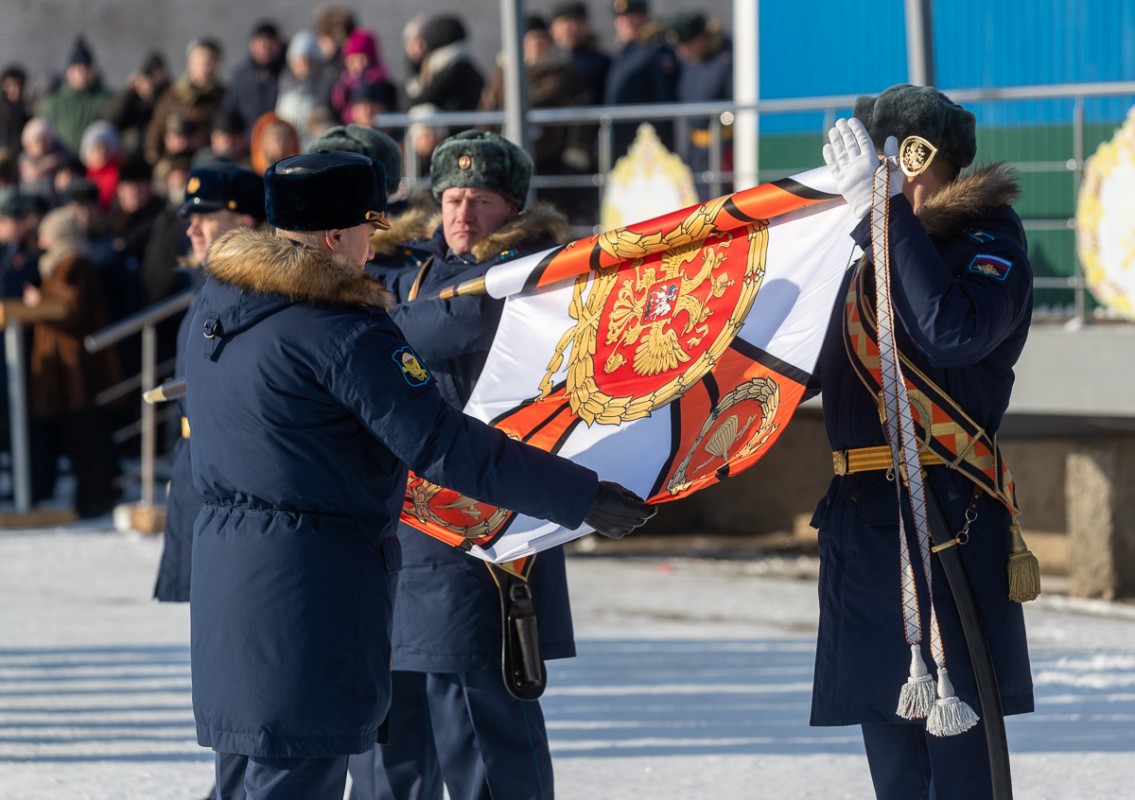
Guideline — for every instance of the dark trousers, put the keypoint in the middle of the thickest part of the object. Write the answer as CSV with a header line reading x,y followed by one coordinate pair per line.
x,y
84,437
253,778
463,728
907,763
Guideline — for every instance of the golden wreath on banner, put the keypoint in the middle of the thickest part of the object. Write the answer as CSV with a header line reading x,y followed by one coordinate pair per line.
x,y
1105,221
648,331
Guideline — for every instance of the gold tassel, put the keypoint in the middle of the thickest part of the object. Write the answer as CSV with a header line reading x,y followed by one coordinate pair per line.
x,y
1024,569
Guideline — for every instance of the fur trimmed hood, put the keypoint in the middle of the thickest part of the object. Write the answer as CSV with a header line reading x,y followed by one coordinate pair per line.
x,y
972,194
264,263
540,222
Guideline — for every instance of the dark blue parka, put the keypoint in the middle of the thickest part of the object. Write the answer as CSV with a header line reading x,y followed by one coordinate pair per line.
x,y
964,325
447,609
643,73
307,406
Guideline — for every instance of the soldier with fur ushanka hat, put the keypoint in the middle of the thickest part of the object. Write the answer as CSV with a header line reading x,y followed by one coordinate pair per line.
x,y
961,292
453,673
308,407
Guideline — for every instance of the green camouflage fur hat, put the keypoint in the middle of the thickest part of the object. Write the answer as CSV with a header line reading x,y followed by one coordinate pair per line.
x,y
482,160
905,110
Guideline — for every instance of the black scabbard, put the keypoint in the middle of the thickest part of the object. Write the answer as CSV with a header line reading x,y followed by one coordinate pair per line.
x,y
974,631
522,665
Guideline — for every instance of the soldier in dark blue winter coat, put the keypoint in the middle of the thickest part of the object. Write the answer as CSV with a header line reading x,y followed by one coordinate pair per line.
x,y
962,297
218,198
449,677
643,72
705,74
307,407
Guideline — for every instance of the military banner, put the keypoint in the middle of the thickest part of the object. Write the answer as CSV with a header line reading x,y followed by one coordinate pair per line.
x,y
666,355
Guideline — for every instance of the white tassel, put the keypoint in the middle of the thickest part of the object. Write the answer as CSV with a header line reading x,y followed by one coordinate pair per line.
x,y
917,695
950,715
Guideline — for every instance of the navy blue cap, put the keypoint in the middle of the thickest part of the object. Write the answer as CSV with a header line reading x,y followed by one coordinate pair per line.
x,y
325,190
223,186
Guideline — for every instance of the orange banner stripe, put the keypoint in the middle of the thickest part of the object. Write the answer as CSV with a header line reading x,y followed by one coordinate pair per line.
x,y
758,203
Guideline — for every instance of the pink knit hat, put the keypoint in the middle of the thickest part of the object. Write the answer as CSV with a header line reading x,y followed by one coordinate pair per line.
x,y
364,42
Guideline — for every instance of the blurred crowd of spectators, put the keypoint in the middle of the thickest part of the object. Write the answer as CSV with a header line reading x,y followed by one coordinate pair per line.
x,y
91,176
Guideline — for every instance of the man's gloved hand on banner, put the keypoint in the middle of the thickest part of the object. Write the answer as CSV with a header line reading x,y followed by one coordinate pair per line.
x,y
852,160
617,511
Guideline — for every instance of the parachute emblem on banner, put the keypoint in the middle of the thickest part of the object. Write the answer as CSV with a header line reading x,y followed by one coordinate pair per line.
x,y
717,442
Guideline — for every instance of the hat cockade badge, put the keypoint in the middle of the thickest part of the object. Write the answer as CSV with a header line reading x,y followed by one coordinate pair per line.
x,y
915,155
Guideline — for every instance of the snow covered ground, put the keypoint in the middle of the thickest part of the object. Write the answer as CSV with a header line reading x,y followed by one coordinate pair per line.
x,y
692,682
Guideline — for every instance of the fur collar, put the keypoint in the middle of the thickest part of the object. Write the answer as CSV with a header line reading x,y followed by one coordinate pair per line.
x,y
417,222
541,222
972,194
262,262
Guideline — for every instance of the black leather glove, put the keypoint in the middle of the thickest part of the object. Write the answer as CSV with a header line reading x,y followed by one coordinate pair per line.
x,y
617,511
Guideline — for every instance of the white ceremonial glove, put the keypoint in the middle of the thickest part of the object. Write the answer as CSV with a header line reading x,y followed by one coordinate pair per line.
x,y
852,160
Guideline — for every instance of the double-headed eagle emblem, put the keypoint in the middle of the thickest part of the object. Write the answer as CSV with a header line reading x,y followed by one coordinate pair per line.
x,y
646,332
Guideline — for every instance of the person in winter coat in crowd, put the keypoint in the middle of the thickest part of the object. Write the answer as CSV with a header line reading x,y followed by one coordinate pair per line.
x,y
18,251
14,112
302,463
132,110
196,96
332,25
272,139
449,79
301,85
80,101
101,153
40,159
644,70
64,377
705,75
459,721
362,63
561,149
254,86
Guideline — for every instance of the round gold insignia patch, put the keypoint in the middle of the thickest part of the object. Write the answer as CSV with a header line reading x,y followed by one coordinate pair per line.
x,y
465,162
193,185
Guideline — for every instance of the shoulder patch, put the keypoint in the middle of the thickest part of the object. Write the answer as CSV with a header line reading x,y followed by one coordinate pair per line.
x,y
979,236
990,267
410,366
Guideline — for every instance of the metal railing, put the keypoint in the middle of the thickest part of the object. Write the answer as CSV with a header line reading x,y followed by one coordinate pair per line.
x,y
719,114
145,322
14,318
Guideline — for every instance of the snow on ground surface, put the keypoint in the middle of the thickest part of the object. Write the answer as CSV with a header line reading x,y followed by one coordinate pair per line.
x,y
692,681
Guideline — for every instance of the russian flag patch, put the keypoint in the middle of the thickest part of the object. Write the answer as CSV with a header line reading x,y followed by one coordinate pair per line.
x,y
990,267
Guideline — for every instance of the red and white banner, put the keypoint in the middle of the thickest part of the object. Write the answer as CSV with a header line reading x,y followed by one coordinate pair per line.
x,y
666,355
